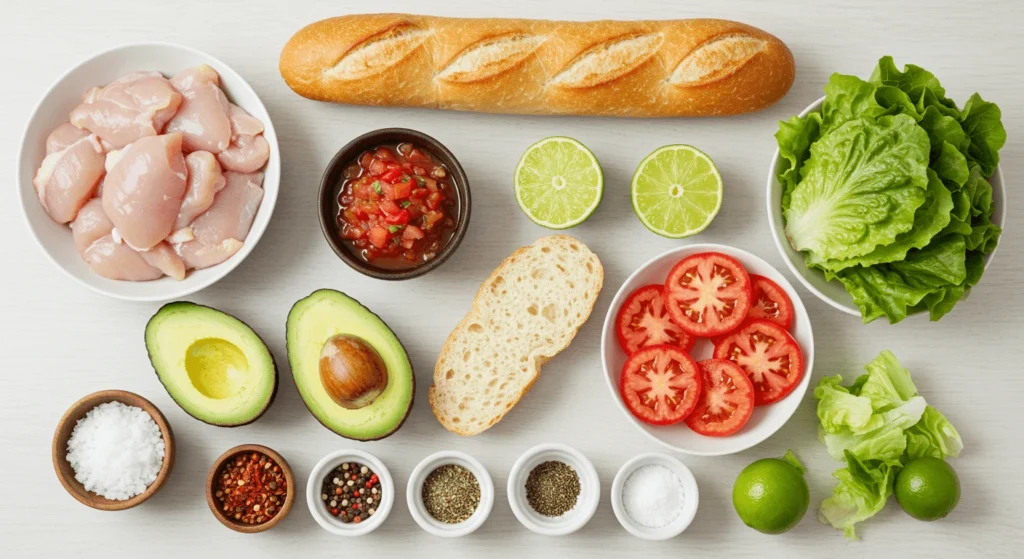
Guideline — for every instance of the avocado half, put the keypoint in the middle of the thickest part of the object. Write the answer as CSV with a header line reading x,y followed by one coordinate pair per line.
x,y
213,365
317,318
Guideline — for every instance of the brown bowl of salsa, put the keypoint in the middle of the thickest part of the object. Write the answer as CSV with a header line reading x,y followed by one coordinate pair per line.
x,y
394,203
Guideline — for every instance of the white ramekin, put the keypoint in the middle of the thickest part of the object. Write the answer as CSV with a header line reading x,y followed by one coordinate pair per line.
x,y
319,511
586,505
414,494
690,500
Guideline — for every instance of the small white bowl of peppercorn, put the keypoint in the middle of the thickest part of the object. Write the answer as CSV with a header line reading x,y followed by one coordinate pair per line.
x,y
450,494
350,492
553,489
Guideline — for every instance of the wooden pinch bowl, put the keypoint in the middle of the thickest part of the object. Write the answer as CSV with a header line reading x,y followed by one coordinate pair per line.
x,y
77,411
289,497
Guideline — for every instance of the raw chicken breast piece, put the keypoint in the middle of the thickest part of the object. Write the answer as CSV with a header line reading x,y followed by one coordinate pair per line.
x,y
63,136
233,210
163,258
129,108
144,188
243,123
117,261
68,178
203,117
247,154
196,255
90,225
182,235
205,179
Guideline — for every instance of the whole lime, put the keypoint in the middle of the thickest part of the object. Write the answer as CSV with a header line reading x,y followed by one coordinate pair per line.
x,y
770,495
927,488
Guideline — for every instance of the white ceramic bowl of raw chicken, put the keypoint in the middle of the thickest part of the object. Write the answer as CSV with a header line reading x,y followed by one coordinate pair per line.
x,y
53,109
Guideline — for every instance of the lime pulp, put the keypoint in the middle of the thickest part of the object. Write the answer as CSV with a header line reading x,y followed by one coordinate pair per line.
x,y
676,191
558,183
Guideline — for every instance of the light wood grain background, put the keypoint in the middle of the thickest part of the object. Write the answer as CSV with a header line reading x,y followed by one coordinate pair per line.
x,y
61,341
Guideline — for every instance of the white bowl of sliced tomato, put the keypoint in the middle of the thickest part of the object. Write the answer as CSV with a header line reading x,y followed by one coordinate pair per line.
x,y
707,349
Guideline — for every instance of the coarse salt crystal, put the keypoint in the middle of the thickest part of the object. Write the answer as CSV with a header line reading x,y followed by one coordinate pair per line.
x,y
653,496
116,451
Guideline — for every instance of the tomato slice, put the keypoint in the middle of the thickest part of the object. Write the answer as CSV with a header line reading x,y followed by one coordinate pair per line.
x,y
660,384
728,400
768,355
770,302
643,321
708,294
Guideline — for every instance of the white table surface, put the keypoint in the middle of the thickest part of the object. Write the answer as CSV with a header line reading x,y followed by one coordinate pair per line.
x,y
60,341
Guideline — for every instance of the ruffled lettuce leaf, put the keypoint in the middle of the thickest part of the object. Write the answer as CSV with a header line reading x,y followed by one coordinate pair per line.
x,y
982,121
885,440
795,137
861,186
847,98
838,409
897,289
929,220
863,489
933,436
888,384
912,80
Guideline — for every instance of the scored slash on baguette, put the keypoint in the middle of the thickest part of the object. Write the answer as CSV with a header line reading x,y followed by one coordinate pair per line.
x,y
695,67
525,313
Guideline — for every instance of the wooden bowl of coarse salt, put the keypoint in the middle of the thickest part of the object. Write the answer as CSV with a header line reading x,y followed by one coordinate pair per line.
x,y
114,426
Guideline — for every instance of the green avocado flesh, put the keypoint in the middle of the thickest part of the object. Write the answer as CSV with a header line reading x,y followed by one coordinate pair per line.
x,y
212,364
327,313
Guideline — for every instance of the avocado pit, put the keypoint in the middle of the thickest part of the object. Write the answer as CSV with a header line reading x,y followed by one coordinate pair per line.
x,y
351,371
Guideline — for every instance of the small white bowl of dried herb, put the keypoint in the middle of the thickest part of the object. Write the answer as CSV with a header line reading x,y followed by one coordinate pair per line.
x,y
350,492
450,494
553,489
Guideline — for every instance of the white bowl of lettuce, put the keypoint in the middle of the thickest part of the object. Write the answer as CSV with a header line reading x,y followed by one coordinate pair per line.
x,y
884,198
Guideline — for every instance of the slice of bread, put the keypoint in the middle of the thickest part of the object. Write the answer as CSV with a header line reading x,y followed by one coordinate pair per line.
x,y
525,313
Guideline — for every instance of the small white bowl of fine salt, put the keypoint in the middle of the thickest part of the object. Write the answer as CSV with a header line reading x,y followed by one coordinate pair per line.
x,y
654,496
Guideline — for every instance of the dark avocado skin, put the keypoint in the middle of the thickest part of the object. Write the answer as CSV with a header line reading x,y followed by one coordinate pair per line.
x,y
412,373
273,361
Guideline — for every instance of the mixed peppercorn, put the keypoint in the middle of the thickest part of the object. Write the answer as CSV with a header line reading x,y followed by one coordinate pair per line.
x,y
351,492
250,488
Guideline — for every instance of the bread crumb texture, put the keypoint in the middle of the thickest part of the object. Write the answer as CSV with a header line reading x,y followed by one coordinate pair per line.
x,y
524,314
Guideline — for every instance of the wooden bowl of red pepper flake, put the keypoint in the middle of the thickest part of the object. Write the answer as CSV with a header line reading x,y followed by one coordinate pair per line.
x,y
250,488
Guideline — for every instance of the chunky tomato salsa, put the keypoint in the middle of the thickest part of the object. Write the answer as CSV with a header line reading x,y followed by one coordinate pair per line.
x,y
397,206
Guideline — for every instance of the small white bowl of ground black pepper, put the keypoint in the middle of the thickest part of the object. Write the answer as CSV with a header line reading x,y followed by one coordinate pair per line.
x,y
450,494
654,496
350,492
553,489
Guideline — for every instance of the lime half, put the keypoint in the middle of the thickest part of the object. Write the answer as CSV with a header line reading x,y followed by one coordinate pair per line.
x,y
676,191
558,183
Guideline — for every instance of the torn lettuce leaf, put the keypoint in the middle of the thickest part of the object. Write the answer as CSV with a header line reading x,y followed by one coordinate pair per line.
x,y
876,425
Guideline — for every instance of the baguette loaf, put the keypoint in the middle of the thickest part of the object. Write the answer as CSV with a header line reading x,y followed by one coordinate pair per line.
x,y
697,67
525,313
